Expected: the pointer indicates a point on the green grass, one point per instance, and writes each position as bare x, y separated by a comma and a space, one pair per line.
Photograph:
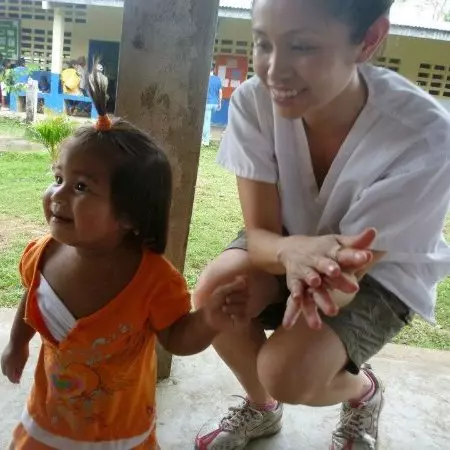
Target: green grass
12, 127
216, 220
216, 217
422, 334
23, 177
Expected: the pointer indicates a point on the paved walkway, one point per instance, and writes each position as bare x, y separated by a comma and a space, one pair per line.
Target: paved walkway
416, 416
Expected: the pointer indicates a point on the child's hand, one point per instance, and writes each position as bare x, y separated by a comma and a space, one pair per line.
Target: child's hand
13, 362
228, 306
308, 302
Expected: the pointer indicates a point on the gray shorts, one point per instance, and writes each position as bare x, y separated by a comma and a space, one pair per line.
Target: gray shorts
364, 326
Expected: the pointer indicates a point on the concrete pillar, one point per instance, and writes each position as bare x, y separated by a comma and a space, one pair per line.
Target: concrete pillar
58, 40
166, 52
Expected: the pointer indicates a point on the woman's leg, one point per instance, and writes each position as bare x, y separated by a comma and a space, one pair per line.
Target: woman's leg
206, 134
306, 367
248, 339
321, 368
259, 415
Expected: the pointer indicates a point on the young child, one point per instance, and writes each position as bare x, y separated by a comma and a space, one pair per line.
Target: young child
99, 292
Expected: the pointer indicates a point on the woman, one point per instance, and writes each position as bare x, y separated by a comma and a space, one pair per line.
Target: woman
325, 147
70, 80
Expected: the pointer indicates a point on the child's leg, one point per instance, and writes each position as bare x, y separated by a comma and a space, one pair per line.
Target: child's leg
22, 441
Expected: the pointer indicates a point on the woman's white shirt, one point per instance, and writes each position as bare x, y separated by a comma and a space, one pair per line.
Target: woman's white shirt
392, 173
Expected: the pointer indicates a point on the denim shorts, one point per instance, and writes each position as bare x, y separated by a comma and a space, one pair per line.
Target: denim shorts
364, 326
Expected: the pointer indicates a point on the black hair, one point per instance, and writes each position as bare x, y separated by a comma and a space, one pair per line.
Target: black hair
141, 180
359, 15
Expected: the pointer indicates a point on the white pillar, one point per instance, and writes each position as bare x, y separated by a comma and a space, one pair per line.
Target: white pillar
58, 40
31, 101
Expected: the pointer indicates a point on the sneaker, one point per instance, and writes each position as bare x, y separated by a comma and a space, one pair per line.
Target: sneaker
358, 425
242, 425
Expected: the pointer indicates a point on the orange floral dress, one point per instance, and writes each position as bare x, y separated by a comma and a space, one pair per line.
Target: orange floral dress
95, 389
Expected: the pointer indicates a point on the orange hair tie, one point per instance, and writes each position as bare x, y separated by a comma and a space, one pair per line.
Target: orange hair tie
103, 123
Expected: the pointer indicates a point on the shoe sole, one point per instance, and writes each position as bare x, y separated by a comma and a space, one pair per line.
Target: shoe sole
271, 431
383, 389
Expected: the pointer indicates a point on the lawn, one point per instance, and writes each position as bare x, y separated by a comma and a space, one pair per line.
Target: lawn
216, 220
12, 128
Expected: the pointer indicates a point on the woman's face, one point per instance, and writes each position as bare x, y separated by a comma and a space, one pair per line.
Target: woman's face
304, 57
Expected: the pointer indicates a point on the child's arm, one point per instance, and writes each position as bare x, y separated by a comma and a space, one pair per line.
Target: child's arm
195, 332
189, 335
16, 353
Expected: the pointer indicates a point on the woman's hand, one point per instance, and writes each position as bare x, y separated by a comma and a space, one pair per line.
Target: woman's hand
312, 300
310, 259
315, 267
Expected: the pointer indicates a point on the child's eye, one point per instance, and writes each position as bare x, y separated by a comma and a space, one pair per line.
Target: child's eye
81, 187
263, 46
58, 179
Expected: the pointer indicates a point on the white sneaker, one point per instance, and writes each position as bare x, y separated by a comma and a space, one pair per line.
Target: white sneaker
358, 425
242, 425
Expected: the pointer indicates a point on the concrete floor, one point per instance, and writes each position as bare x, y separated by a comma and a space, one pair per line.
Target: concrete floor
416, 416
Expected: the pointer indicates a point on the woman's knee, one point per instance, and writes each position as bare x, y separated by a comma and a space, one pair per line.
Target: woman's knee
263, 287
220, 271
285, 383
295, 367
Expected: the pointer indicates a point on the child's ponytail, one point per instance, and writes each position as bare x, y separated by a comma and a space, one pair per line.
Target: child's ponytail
98, 92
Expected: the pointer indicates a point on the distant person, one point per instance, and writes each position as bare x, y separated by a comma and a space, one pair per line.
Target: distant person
7, 82
81, 69
44, 85
20, 63
20, 71
213, 104
2, 70
70, 80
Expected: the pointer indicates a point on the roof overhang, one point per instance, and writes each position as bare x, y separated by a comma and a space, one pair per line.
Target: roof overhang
432, 31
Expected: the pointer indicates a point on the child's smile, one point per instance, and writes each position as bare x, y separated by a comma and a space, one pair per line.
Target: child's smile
78, 204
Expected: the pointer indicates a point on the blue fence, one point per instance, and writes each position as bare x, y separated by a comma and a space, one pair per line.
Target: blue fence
54, 99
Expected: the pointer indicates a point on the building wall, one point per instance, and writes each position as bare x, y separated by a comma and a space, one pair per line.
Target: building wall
103, 24
423, 61
82, 23
234, 37
37, 25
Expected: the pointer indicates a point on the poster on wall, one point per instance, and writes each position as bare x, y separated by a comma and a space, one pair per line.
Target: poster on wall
232, 70
9, 38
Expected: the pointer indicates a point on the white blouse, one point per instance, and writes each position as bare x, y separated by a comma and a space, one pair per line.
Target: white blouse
392, 173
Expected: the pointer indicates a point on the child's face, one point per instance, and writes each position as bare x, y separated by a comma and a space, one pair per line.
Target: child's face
305, 57
78, 205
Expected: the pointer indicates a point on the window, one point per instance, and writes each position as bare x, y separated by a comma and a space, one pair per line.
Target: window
434, 79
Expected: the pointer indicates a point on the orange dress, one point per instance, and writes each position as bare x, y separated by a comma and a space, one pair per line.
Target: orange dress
95, 390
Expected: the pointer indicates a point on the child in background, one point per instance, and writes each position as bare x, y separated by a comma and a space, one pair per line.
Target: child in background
99, 292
